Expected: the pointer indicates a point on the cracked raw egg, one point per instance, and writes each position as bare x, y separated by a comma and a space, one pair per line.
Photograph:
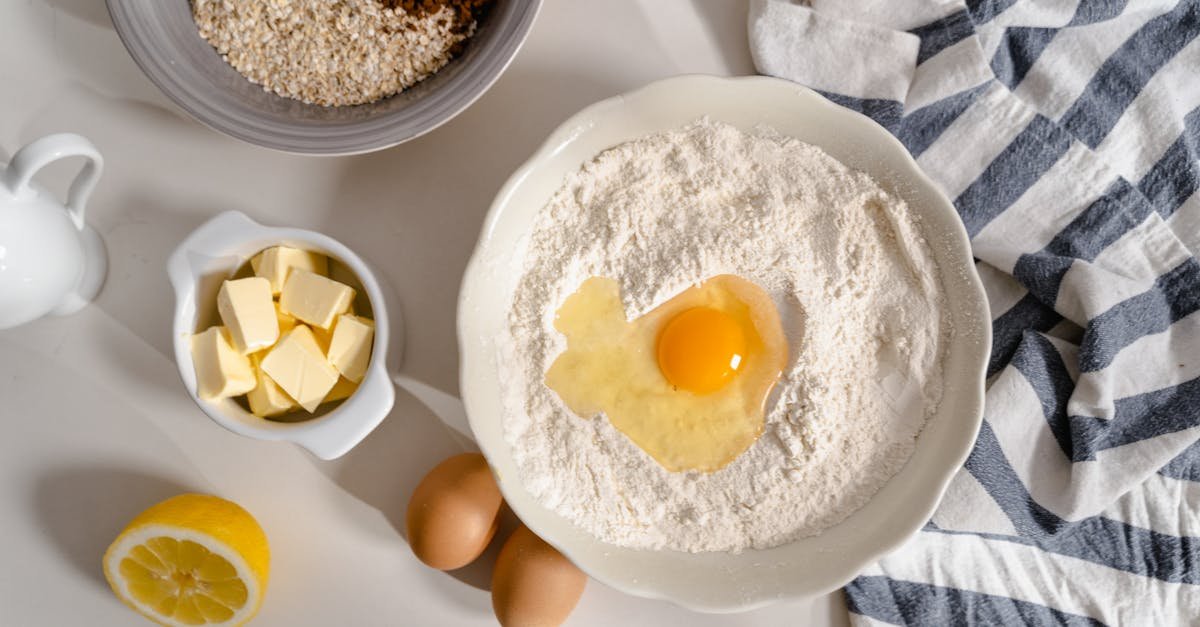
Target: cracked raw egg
687, 382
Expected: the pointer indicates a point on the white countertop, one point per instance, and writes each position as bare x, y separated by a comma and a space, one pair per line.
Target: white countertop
97, 425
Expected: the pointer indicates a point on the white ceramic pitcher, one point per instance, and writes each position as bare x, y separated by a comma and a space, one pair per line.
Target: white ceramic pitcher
50, 261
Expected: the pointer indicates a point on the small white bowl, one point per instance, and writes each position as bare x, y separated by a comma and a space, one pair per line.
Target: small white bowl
213, 253
728, 582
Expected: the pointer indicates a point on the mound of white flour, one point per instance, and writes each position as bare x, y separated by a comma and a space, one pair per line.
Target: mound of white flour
856, 287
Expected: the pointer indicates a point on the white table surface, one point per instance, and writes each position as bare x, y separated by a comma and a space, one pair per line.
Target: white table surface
96, 425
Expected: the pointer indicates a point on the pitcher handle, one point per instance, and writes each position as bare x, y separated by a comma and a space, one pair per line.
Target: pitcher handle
48, 149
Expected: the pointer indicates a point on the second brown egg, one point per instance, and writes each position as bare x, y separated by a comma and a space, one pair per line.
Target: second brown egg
534, 585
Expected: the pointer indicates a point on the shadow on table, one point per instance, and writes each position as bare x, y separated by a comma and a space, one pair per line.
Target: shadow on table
141, 236
91, 11
82, 509
89, 55
386, 467
384, 470
726, 23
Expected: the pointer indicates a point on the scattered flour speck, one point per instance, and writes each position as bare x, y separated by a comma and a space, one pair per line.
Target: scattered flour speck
854, 282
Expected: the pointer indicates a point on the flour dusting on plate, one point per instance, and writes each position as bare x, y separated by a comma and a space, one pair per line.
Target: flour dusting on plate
854, 282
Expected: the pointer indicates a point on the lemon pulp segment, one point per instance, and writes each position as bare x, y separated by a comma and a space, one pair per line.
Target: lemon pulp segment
184, 580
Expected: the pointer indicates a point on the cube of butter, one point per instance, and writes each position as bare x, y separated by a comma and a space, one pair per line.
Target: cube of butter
314, 299
248, 311
325, 336
274, 264
350, 349
341, 390
298, 366
221, 371
286, 321
267, 398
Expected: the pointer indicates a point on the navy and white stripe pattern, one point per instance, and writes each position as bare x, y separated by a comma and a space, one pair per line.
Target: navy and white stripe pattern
1067, 132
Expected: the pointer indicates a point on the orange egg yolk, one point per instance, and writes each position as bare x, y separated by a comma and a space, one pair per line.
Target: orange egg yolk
700, 350
687, 381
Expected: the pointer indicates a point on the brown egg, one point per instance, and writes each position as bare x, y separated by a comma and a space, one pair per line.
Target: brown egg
453, 512
533, 584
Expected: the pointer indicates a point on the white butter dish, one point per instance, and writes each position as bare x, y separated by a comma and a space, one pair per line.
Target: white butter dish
215, 252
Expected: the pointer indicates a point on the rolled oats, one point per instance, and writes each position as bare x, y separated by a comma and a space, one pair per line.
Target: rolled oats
336, 52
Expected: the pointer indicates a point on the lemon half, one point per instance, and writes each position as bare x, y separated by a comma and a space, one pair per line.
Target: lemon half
193, 559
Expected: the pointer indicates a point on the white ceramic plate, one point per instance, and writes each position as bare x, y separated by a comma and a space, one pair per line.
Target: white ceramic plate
725, 582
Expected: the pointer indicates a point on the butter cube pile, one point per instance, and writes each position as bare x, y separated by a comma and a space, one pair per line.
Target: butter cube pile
289, 340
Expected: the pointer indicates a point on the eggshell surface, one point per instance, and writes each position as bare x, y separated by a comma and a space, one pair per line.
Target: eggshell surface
533, 584
453, 513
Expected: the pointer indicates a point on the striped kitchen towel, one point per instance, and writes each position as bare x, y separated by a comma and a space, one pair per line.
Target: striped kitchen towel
1067, 132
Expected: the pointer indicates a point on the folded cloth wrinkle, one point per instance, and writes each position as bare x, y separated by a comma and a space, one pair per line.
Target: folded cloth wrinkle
1066, 134
788, 38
